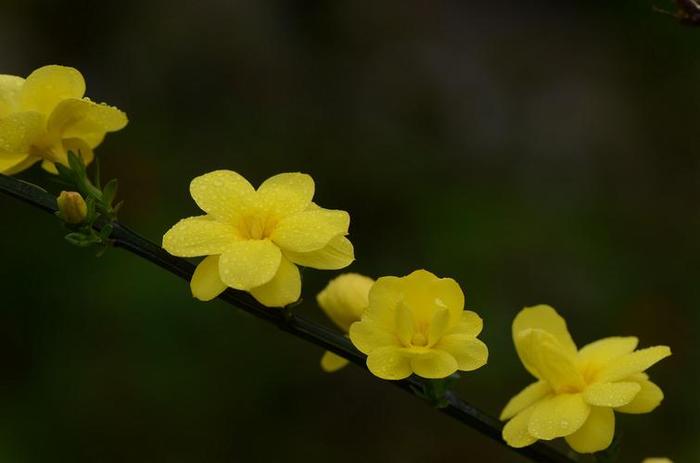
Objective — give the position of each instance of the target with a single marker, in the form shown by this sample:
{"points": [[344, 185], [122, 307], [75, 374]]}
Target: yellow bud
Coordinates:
{"points": [[72, 207], [345, 298]]}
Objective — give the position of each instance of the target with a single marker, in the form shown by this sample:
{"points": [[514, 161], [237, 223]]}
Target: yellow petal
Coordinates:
{"points": [[223, 193], [634, 362], [648, 398], [438, 326], [546, 359], [331, 362], [337, 254], [470, 353], [404, 324], [596, 434], [657, 460], [389, 363], [515, 432], [367, 336], [425, 293], [10, 88], [287, 194], [434, 364], [249, 264], [544, 317], [81, 118], [345, 298], [525, 398], [469, 323], [19, 131], [12, 164], [611, 394], [283, 289], [604, 350], [47, 86], [206, 283], [199, 236], [310, 230], [558, 416], [384, 297]]}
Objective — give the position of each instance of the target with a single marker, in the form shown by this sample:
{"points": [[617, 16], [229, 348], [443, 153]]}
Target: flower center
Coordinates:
{"points": [[419, 339], [256, 227]]}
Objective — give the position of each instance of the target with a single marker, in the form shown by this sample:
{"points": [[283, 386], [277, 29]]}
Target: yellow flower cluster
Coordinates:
{"points": [[255, 240], [45, 115]]}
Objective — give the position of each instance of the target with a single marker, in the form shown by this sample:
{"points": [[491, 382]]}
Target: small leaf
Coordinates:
{"points": [[65, 173], [106, 231], [109, 192], [76, 163]]}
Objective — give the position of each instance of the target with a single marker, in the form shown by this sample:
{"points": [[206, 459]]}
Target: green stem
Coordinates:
{"points": [[285, 320]]}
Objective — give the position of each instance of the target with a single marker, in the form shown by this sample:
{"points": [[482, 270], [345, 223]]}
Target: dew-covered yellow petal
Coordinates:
{"points": [[10, 88], [544, 356], [515, 432], [84, 119], [248, 264], [634, 362], [528, 396], [434, 364], [345, 299], [602, 351], [337, 254], [611, 394], [310, 230], [469, 323], [469, 352], [388, 363], [19, 131], [597, 432], [48, 85], [368, 336], [199, 236], [206, 283], [331, 362], [545, 318], [223, 193], [283, 289], [647, 399], [287, 194], [558, 416]]}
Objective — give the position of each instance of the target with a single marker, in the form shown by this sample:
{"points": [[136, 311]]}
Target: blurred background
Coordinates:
{"points": [[538, 152]]}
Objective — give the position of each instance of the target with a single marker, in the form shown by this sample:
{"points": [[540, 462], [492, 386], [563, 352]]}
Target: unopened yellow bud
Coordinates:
{"points": [[72, 207], [345, 298]]}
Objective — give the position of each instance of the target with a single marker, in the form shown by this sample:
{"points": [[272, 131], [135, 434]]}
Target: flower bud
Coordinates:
{"points": [[72, 207], [345, 298]]}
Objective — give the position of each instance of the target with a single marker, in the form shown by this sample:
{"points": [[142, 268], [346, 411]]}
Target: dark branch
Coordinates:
{"points": [[285, 320]]}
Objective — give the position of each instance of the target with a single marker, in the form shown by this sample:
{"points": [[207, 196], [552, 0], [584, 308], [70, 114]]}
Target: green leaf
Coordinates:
{"points": [[65, 173], [109, 192], [76, 163]]}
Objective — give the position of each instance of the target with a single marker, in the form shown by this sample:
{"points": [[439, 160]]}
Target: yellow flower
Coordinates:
{"points": [[254, 239], [45, 116], [72, 207], [344, 300], [417, 324], [577, 391], [657, 460]]}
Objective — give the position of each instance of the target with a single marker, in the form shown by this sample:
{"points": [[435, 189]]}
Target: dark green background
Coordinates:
{"points": [[538, 152]]}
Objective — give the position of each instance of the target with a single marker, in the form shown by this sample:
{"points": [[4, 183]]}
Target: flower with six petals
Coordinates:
{"points": [[577, 390], [417, 324], [344, 300], [45, 115], [254, 239]]}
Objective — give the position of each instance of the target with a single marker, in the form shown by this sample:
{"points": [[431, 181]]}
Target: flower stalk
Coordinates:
{"points": [[322, 336]]}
